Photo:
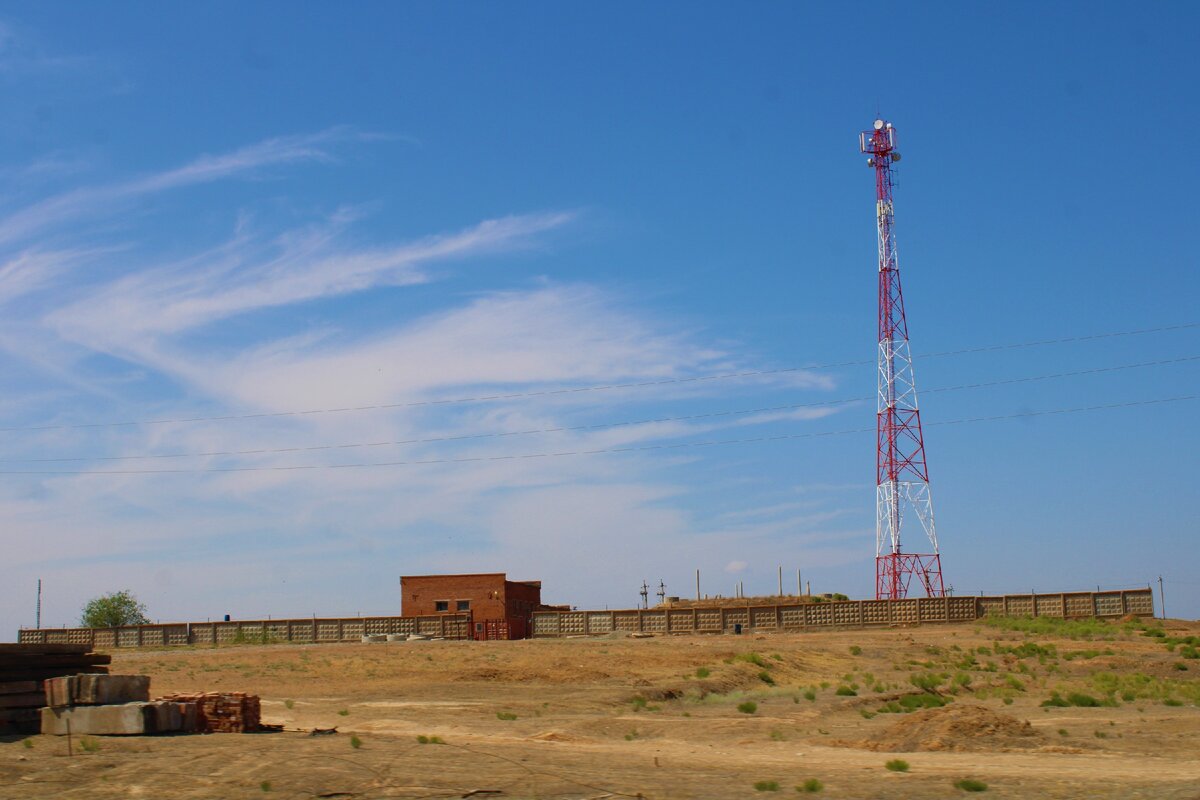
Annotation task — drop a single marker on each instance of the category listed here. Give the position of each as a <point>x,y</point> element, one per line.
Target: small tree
<point>113,610</point>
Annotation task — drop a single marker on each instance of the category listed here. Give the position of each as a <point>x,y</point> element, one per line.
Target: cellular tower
<point>902,478</point>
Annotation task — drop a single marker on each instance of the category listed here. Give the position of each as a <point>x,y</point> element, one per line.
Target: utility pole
<point>799,584</point>
<point>39,603</point>
<point>780,581</point>
<point>662,592</point>
<point>901,475</point>
<point>645,593</point>
<point>1162,598</point>
<point>697,585</point>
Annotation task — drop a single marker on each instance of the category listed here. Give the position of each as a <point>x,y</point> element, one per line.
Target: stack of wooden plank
<point>23,667</point>
<point>223,712</point>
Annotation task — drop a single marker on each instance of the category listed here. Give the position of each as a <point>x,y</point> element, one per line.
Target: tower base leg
<point>894,574</point>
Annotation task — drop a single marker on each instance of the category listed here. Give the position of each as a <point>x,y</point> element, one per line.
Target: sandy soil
<point>620,717</point>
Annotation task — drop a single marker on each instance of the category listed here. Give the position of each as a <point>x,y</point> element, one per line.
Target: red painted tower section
<point>902,478</point>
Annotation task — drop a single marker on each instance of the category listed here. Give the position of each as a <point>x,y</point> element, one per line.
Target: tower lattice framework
<point>902,477</point>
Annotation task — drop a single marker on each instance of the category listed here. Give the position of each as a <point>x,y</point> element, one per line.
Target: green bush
<point>752,658</point>
<point>810,785</point>
<point>766,786</point>
<point>748,707</point>
<point>926,681</point>
<point>855,650</point>
<point>810,694</point>
<point>506,715</point>
<point>845,691</point>
<point>355,742</point>
<point>265,786</point>
<point>703,672</point>
<point>766,678</point>
<point>970,785</point>
<point>897,765</point>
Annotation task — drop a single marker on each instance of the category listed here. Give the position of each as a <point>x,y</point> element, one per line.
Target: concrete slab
<point>124,720</point>
<point>103,690</point>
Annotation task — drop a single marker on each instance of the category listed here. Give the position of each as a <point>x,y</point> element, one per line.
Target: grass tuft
<point>766,786</point>
<point>703,672</point>
<point>748,707</point>
<point>970,785</point>
<point>810,785</point>
<point>355,742</point>
<point>896,765</point>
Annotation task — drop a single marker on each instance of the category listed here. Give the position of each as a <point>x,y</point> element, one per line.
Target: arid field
<point>1021,709</point>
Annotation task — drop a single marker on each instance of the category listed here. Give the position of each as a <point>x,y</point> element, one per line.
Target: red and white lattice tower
<point>902,479</point>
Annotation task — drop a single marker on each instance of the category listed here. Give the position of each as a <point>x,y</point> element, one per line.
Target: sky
<point>299,298</point>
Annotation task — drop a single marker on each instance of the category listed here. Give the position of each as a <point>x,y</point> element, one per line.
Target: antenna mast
<point>902,478</point>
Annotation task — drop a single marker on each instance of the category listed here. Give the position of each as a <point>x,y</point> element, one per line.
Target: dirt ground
<point>659,718</point>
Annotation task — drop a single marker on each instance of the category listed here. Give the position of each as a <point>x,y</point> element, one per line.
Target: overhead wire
<point>594,388</point>
<point>594,426</point>
<point>631,449</point>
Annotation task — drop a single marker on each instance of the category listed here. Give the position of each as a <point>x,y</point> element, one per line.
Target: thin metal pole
<point>1161,597</point>
<point>39,603</point>
<point>697,584</point>
<point>780,581</point>
<point>799,584</point>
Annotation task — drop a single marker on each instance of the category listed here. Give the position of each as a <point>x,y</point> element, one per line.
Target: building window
<point>441,605</point>
<point>464,605</point>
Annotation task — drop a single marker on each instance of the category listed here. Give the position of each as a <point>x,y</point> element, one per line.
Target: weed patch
<point>970,785</point>
<point>896,765</point>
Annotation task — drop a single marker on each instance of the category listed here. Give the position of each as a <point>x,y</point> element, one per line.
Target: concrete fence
<point>844,614</point>
<point>317,629</point>
<point>797,617</point>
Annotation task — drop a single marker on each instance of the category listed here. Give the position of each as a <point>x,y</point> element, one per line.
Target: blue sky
<point>227,209</point>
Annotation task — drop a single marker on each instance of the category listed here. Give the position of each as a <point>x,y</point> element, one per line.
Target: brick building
<point>499,608</point>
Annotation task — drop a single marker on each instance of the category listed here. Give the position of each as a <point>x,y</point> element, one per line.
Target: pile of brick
<point>111,705</point>
<point>222,712</point>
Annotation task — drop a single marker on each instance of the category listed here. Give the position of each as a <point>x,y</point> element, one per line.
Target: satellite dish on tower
<point>878,124</point>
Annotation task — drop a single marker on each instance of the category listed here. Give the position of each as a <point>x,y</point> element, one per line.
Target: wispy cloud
<point>79,204</point>
<point>241,276</point>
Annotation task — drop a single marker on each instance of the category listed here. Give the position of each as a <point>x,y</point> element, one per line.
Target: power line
<point>633,449</point>
<point>583,389</point>
<point>596,426</point>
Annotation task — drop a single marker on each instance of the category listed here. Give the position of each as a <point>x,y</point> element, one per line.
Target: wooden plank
<point>20,687</point>
<point>8,647</point>
<point>31,700</point>
<point>19,715</point>
<point>9,660</point>
<point>33,674</point>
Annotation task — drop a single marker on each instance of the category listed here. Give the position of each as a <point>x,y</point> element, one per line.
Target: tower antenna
<point>902,477</point>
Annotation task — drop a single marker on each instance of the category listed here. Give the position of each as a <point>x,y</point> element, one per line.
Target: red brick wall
<point>522,599</point>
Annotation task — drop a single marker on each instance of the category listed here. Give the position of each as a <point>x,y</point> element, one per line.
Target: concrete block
<point>189,717</point>
<point>167,718</point>
<point>104,690</point>
<point>124,720</point>
<point>59,691</point>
